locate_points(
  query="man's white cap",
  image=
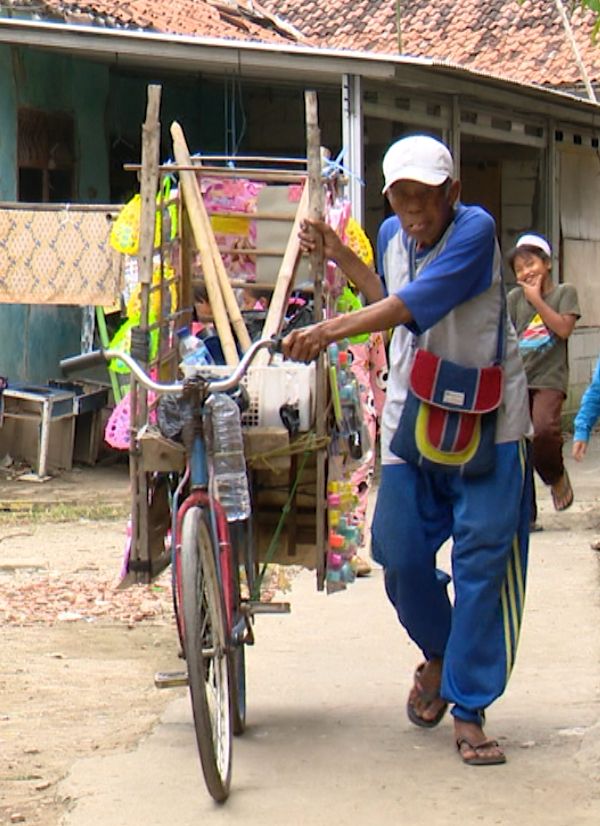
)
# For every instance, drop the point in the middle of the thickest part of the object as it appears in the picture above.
(417, 158)
(530, 239)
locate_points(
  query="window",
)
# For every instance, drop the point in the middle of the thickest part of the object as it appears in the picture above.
(46, 157)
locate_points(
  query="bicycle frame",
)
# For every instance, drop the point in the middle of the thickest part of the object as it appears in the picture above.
(220, 528)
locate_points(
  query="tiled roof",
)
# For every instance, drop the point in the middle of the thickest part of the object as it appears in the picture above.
(525, 42)
(229, 19)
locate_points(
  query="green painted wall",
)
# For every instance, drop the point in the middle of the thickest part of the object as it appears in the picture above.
(198, 105)
(36, 337)
(8, 126)
(108, 106)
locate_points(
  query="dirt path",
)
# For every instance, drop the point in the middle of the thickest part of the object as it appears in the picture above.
(76, 681)
(77, 658)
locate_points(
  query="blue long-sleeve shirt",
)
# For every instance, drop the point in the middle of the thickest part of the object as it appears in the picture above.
(589, 408)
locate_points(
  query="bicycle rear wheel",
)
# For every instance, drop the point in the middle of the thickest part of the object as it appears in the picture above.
(205, 646)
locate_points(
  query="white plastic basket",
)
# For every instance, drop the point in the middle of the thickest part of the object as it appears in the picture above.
(272, 386)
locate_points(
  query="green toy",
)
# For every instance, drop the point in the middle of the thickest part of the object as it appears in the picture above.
(348, 302)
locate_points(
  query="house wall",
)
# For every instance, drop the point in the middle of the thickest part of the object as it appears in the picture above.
(584, 349)
(519, 184)
(108, 105)
(197, 104)
(39, 335)
(218, 116)
(256, 115)
(275, 119)
(579, 207)
(518, 204)
(8, 127)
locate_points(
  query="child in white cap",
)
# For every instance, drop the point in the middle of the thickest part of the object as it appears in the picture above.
(439, 281)
(544, 315)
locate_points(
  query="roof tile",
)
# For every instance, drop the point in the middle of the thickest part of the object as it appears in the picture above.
(229, 19)
(492, 36)
(525, 42)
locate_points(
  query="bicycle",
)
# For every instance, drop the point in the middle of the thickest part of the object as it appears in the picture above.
(214, 620)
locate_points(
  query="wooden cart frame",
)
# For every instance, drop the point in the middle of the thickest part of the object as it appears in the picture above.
(290, 513)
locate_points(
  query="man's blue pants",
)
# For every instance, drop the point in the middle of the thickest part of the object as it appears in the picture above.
(487, 518)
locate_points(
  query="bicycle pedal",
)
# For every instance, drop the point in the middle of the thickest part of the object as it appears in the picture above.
(268, 607)
(170, 679)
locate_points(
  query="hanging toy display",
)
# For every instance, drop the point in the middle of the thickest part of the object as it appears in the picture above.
(358, 241)
(346, 401)
(350, 438)
(338, 215)
(349, 302)
(122, 338)
(349, 445)
(125, 238)
(125, 231)
(343, 537)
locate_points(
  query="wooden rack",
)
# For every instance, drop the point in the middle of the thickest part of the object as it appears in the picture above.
(304, 539)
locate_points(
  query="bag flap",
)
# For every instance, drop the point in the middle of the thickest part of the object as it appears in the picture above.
(447, 385)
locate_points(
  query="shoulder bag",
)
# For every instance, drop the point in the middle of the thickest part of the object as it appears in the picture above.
(449, 418)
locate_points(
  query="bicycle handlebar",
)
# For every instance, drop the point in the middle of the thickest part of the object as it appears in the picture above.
(96, 357)
(83, 361)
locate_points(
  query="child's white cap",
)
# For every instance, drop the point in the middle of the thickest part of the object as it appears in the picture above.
(532, 240)
(417, 158)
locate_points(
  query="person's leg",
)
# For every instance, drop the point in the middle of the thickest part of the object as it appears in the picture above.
(546, 408)
(409, 525)
(489, 560)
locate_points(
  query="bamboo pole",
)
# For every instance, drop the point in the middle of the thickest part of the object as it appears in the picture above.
(285, 278)
(267, 286)
(148, 187)
(257, 216)
(316, 210)
(575, 49)
(139, 396)
(193, 202)
(105, 342)
(228, 172)
(231, 304)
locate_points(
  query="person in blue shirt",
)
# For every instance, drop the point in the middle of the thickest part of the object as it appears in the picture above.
(585, 421)
(587, 415)
(450, 300)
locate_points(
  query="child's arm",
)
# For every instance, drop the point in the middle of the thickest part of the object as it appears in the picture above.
(587, 415)
(560, 323)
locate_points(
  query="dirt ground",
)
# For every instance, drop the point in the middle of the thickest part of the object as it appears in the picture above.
(78, 657)
(77, 663)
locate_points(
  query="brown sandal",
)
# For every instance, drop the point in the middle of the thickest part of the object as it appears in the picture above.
(562, 493)
(463, 745)
(427, 697)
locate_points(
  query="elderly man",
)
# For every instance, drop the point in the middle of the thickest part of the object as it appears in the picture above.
(439, 284)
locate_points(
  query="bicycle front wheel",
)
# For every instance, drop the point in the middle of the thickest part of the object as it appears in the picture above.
(205, 646)
(239, 534)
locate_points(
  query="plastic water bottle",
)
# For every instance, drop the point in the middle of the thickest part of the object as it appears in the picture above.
(229, 463)
(187, 341)
(193, 351)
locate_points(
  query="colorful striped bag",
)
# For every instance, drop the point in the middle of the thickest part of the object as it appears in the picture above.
(449, 417)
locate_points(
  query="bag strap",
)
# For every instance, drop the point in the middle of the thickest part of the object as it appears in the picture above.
(412, 274)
